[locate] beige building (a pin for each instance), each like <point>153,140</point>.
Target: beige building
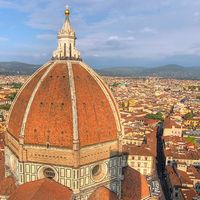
<point>182,180</point>
<point>171,128</point>
<point>140,159</point>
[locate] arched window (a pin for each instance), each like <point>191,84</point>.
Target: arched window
<point>65,50</point>
<point>70,50</point>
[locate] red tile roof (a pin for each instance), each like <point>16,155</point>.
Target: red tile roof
<point>134,185</point>
<point>103,193</point>
<point>2,166</point>
<point>7,186</point>
<point>189,194</point>
<point>42,189</point>
<point>135,150</point>
<point>193,172</point>
<point>174,179</point>
<point>50,117</point>
<point>184,177</point>
<point>16,116</point>
<point>96,121</point>
<point>168,123</point>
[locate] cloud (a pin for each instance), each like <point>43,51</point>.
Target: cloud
<point>3,39</point>
<point>5,4</point>
<point>115,29</point>
<point>148,30</point>
<point>46,37</point>
<point>196,14</point>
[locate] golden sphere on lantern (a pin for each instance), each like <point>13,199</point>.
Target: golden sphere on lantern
<point>67,12</point>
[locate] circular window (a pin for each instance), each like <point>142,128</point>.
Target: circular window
<point>49,173</point>
<point>99,172</point>
<point>96,170</point>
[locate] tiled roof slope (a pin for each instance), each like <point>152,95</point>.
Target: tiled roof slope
<point>40,190</point>
<point>134,185</point>
<point>103,193</point>
<point>7,186</point>
<point>45,110</point>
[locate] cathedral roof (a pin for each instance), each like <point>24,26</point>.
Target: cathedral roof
<point>103,193</point>
<point>40,190</point>
<point>2,167</point>
<point>134,185</point>
<point>7,186</point>
<point>63,102</point>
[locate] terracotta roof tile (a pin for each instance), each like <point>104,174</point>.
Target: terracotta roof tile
<point>189,194</point>
<point>103,193</point>
<point>134,185</point>
<point>2,166</point>
<point>174,179</point>
<point>42,189</point>
<point>50,118</point>
<point>7,186</point>
<point>135,150</point>
<point>96,121</point>
<point>168,123</point>
<point>17,114</point>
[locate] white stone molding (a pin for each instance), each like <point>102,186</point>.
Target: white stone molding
<point>74,107</point>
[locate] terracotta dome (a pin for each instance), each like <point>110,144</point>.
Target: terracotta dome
<point>103,193</point>
<point>62,102</point>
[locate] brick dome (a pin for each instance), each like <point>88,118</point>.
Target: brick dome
<point>64,102</point>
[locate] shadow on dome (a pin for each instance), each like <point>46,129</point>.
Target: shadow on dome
<point>134,185</point>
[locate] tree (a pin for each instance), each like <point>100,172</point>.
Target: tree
<point>188,115</point>
<point>157,116</point>
<point>123,105</point>
<point>115,84</point>
<point>16,85</point>
<point>12,96</point>
<point>191,139</point>
<point>5,107</point>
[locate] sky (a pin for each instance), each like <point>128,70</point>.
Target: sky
<point>109,32</point>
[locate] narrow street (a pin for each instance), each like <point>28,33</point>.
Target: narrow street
<point>161,164</point>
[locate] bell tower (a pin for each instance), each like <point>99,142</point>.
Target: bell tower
<point>66,49</point>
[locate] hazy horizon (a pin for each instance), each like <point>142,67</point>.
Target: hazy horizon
<point>104,67</point>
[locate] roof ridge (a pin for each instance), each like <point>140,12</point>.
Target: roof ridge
<point>39,188</point>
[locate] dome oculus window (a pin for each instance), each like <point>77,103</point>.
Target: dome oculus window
<point>49,173</point>
<point>96,170</point>
<point>99,172</point>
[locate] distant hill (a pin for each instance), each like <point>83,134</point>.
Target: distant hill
<point>121,71</point>
<point>17,68</point>
<point>166,71</point>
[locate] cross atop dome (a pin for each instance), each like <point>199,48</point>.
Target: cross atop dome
<point>66,49</point>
